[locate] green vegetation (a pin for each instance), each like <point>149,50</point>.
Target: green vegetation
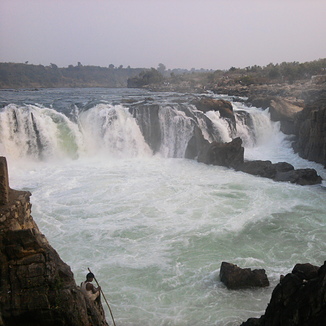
<point>24,75</point>
<point>20,75</point>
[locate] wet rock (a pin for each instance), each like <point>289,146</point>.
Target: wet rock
<point>299,299</point>
<point>260,168</point>
<point>223,154</point>
<point>231,155</point>
<point>281,171</point>
<point>206,104</point>
<point>235,277</point>
<point>301,177</point>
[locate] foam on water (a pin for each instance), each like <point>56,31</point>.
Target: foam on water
<point>156,230</point>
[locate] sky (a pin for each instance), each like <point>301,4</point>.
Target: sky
<point>209,34</point>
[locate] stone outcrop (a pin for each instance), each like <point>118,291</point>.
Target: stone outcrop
<point>298,300</point>
<point>36,286</point>
<point>152,125</point>
<point>235,277</point>
<point>310,129</point>
<point>231,155</point>
<point>281,109</point>
<point>301,110</point>
<point>223,154</point>
<point>281,171</point>
<point>224,107</point>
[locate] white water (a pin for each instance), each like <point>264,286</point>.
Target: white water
<point>155,230</point>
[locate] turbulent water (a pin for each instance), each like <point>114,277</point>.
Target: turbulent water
<point>155,227</point>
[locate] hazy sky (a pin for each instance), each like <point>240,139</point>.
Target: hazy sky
<point>214,34</point>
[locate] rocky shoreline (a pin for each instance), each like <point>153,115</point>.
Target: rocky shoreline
<point>299,107</point>
<point>36,286</point>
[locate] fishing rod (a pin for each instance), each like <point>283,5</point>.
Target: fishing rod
<point>104,298</point>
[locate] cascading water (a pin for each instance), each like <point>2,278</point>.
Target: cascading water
<point>155,228</point>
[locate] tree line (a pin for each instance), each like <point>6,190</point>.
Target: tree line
<point>24,75</point>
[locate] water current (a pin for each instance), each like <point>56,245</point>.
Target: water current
<point>155,227</point>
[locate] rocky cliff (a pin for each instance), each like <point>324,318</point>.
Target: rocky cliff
<point>310,128</point>
<point>36,286</point>
<point>298,300</point>
<point>301,110</point>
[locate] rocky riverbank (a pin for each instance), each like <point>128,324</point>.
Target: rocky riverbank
<point>299,299</point>
<point>300,108</point>
<point>36,286</point>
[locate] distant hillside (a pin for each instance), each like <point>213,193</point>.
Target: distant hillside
<point>20,75</point>
<point>23,75</point>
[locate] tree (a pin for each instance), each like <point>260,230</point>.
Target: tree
<point>161,68</point>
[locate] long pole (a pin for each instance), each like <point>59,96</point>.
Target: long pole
<point>104,299</point>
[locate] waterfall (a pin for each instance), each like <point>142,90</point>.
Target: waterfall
<point>37,133</point>
<point>41,133</point>
<point>112,130</point>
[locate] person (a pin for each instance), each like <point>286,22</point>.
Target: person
<point>89,289</point>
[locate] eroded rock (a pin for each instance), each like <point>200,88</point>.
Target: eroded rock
<point>235,277</point>
<point>299,299</point>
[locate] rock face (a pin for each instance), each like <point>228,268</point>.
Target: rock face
<point>235,277</point>
<point>157,122</point>
<point>223,154</point>
<point>310,130</point>
<point>206,104</point>
<point>301,112</point>
<point>281,109</point>
<point>36,286</point>
<point>299,299</point>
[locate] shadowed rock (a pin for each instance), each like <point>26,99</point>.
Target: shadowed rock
<point>235,277</point>
<point>231,155</point>
<point>299,299</point>
<point>223,154</point>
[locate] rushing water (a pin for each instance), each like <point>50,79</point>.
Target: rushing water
<point>155,228</point>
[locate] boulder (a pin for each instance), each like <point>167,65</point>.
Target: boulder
<point>223,154</point>
<point>299,299</point>
<point>301,177</point>
<point>235,277</point>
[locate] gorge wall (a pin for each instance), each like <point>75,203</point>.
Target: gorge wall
<point>301,111</point>
<point>36,286</point>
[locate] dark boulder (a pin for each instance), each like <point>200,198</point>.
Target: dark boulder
<point>301,177</point>
<point>299,299</point>
<point>281,171</point>
<point>305,271</point>
<point>263,169</point>
<point>235,277</point>
<point>223,154</point>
